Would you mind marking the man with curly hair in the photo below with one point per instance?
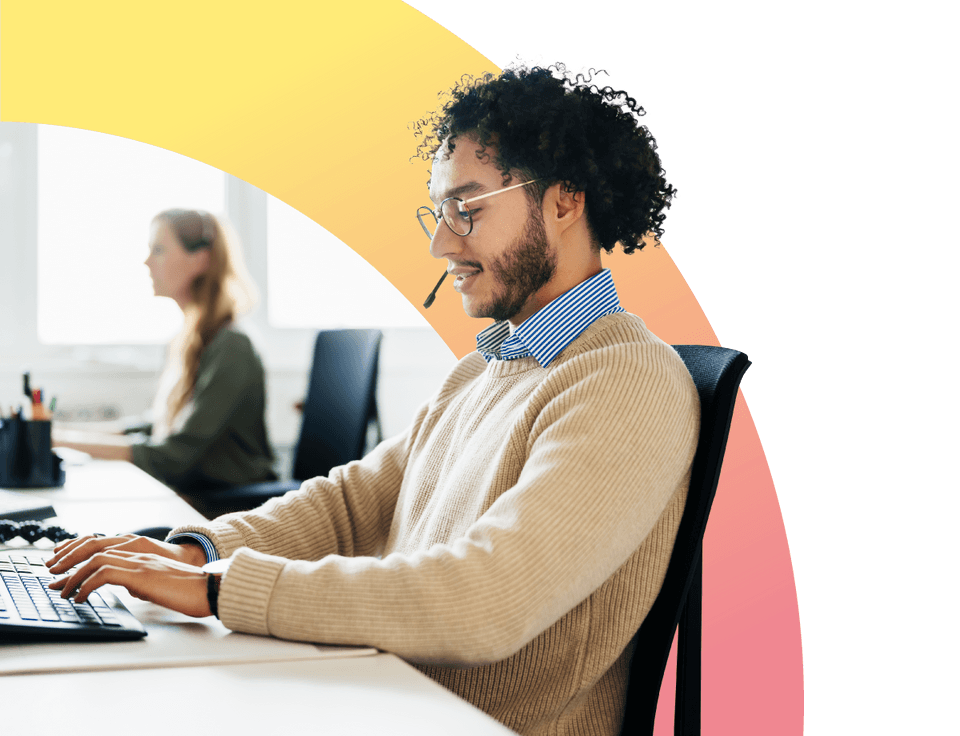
(511, 541)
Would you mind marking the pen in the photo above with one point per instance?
(37, 412)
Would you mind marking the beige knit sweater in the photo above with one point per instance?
(509, 543)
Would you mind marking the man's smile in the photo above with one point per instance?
(463, 274)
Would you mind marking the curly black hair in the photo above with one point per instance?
(546, 123)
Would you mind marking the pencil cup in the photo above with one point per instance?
(27, 459)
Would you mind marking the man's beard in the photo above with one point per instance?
(522, 271)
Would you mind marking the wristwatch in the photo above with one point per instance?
(215, 571)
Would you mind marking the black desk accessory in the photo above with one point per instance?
(27, 459)
(32, 531)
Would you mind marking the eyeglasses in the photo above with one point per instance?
(454, 212)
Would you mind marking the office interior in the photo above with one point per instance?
(76, 306)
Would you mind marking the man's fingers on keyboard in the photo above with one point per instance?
(83, 549)
(64, 548)
(108, 574)
(123, 542)
(67, 549)
(66, 544)
(130, 565)
(73, 581)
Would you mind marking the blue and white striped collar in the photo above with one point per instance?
(548, 331)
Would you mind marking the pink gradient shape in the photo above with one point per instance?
(752, 680)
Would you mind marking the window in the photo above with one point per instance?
(95, 197)
(97, 194)
(315, 280)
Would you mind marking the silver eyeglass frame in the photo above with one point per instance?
(438, 217)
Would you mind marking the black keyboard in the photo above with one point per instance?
(30, 611)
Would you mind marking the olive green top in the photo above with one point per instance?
(222, 440)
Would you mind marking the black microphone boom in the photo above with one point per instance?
(433, 294)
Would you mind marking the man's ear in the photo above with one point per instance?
(568, 206)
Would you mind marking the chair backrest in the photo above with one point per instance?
(341, 400)
(716, 373)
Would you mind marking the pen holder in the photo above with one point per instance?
(26, 456)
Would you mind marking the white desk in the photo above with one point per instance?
(194, 673)
(371, 695)
(106, 496)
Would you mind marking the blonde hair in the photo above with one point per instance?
(217, 297)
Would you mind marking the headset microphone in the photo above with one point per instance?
(433, 294)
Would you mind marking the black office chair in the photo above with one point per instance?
(716, 373)
(339, 407)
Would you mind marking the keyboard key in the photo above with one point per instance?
(86, 613)
(27, 613)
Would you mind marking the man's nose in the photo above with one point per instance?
(445, 242)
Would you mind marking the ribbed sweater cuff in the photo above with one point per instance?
(246, 589)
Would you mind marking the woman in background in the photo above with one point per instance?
(208, 430)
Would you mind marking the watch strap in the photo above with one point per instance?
(213, 592)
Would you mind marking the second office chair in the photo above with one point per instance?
(340, 405)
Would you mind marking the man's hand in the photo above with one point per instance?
(75, 551)
(149, 577)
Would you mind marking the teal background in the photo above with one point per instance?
(813, 148)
